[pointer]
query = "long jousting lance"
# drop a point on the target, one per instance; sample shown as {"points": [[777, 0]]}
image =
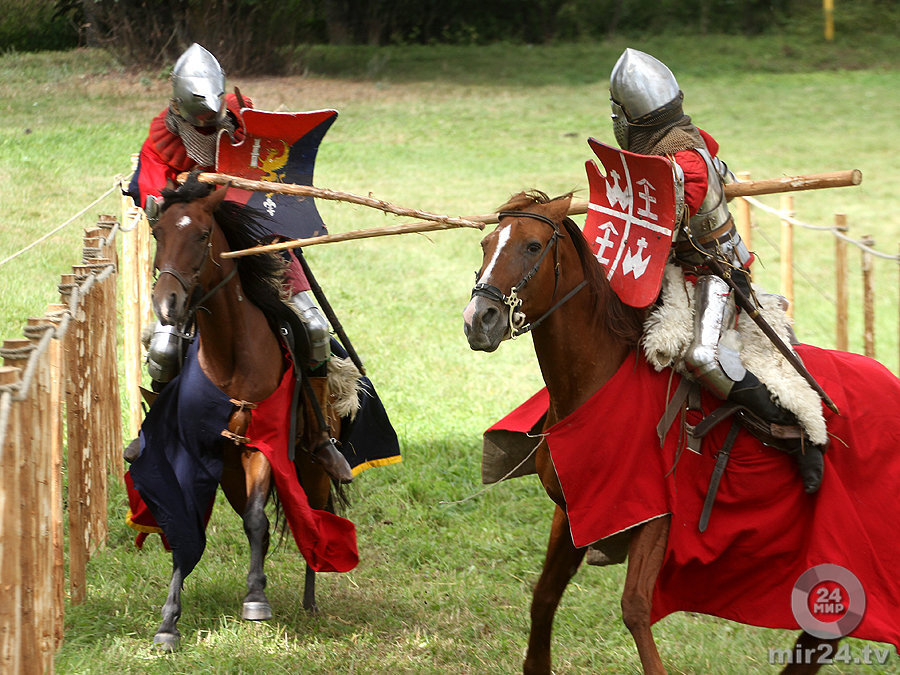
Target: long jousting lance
{"points": [[433, 222]]}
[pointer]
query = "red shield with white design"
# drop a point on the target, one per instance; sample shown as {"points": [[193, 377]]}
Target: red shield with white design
{"points": [[278, 147], [630, 220]]}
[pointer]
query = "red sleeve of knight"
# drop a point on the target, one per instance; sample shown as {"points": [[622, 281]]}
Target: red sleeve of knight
{"points": [[153, 172], [696, 179]]}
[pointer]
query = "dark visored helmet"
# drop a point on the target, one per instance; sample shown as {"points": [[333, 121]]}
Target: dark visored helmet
{"points": [[198, 88], [638, 85]]}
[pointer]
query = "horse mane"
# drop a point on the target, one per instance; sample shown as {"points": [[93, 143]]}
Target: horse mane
{"points": [[262, 276], [621, 320]]}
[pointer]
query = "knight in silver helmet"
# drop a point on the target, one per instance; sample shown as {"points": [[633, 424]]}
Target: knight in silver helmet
{"points": [[184, 137], [198, 88], [648, 119]]}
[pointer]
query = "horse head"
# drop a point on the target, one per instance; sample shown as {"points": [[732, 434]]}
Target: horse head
{"points": [[188, 243], [517, 285]]}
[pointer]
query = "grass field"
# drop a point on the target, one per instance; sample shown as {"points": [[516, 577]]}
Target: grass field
{"points": [[441, 586]]}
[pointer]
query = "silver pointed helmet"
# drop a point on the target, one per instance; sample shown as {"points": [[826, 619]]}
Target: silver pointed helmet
{"points": [[198, 87], [638, 84]]}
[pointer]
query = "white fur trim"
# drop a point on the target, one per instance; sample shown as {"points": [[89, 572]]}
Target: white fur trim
{"points": [[668, 332], [344, 384]]}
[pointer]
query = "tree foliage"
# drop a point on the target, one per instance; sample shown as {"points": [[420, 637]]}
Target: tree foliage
{"points": [[245, 35], [252, 36]]}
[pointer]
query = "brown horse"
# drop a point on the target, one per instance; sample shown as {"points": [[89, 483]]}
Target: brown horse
{"points": [[538, 274], [232, 307]]}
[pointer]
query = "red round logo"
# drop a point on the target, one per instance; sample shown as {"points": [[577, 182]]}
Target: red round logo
{"points": [[828, 601]]}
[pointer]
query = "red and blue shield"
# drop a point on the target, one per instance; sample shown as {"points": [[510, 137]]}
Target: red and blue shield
{"points": [[630, 220], [278, 147]]}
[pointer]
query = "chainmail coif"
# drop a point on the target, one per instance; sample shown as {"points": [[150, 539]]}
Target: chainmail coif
{"points": [[200, 147], [664, 131]]}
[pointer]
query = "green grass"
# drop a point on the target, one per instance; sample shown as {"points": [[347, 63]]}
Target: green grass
{"points": [[440, 587]]}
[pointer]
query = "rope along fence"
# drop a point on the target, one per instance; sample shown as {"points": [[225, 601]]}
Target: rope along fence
{"points": [[58, 389], [788, 265]]}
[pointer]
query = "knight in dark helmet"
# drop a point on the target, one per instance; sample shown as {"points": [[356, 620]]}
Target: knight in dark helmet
{"points": [[184, 137], [648, 119]]}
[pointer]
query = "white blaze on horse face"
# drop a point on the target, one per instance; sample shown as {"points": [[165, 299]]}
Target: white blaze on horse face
{"points": [[502, 240], [183, 222]]}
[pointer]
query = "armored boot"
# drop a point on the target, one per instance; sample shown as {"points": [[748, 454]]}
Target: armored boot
{"points": [[316, 327], [752, 394], [325, 451]]}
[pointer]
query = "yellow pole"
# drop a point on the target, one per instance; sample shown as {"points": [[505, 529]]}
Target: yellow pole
{"points": [[828, 6]]}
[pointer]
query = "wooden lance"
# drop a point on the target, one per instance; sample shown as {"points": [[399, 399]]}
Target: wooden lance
{"points": [[439, 222]]}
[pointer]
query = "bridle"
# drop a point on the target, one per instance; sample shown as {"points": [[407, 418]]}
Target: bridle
{"points": [[513, 302], [189, 283]]}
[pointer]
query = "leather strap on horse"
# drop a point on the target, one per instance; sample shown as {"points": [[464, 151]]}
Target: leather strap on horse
{"points": [[303, 383], [512, 301], [718, 472], [288, 335]]}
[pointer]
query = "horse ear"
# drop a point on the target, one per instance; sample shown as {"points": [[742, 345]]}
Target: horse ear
{"points": [[558, 209], [217, 197]]}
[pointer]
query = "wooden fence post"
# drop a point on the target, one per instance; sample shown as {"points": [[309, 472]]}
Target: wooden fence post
{"points": [[57, 398], [131, 325], [742, 215], [842, 340], [25, 519], [10, 541], [79, 487], [787, 252], [95, 453], [42, 507], [136, 262], [868, 298], [108, 253]]}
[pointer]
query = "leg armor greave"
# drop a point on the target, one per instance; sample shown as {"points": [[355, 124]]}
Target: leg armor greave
{"points": [[165, 353], [713, 365], [316, 326]]}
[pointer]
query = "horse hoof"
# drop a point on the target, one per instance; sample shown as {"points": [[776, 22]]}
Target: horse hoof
{"points": [[257, 611], [167, 642]]}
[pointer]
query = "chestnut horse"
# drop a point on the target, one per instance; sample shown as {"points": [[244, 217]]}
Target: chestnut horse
{"points": [[539, 275], [234, 308]]}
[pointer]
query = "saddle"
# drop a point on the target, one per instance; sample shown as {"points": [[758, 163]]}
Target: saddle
{"points": [[790, 439]]}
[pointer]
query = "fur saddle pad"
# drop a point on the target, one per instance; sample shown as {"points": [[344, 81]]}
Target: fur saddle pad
{"points": [[668, 332]]}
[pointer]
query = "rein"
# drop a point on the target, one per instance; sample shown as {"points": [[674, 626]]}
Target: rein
{"points": [[188, 284], [517, 325]]}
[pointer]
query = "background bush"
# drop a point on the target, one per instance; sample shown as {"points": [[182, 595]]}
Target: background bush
{"points": [[34, 25], [253, 36]]}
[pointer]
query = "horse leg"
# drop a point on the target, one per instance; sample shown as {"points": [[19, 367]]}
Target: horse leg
{"points": [[645, 557], [808, 653], [317, 485], [167, 636], [258, 475], [560, 565]]}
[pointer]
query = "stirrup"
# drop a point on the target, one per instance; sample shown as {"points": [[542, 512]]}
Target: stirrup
{"points": [[333, 461]]}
